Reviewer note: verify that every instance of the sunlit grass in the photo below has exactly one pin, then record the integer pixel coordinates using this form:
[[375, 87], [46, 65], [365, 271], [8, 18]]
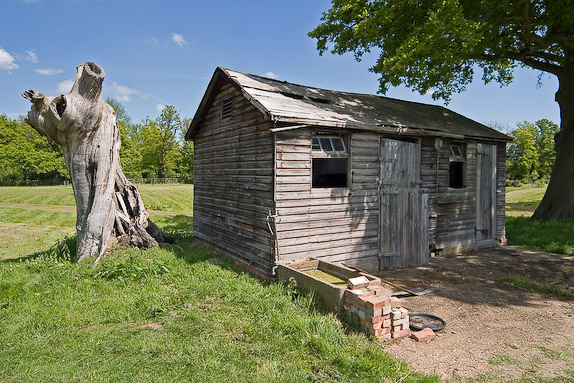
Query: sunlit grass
[[159, 315]]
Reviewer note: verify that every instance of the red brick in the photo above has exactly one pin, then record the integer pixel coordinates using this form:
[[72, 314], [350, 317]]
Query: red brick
[[400, 322], [401, 333], [384, 337], [364, 299], [424, 335], [396, 302], [377, 319], [386, 323], [357, 282], [404, 311], [380, 291]]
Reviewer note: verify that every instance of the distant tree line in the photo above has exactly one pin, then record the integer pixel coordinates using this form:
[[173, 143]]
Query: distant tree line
[[151, 149], [531, 154]]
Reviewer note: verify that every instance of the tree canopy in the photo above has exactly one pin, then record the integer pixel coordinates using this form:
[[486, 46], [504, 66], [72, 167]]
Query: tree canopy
[[26, 155], [432, 45], [531, 154]]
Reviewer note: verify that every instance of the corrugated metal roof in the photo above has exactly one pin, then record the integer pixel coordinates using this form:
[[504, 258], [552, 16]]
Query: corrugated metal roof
[[288, 103]]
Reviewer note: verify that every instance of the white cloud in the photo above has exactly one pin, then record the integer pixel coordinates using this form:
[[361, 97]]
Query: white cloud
[[272, 75], [178, 39], [48, 71], [122, 93], [31, 56], [160, 107], [152, 41], [7, 61], [65, 86]]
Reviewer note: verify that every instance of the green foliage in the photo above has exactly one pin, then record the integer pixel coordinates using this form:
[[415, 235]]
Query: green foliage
[[525, 283], [130, 155], [154, 148], [554, 236], [531, 154], [25, 154], [131, 267], [435, 46], [159, 143]]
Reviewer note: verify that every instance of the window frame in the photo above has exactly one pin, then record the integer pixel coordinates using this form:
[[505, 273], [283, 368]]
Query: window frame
[[323, 154], [457, 154]]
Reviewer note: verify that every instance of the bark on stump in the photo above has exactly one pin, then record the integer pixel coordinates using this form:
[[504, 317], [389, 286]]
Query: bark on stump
[[109, 208]]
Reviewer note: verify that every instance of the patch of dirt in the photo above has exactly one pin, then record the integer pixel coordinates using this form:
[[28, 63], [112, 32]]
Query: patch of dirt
[[151, 325], [491, 328]]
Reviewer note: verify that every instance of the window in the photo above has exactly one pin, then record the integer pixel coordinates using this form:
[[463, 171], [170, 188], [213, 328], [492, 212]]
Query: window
[[457, 165], [330, 162], [226, 108]]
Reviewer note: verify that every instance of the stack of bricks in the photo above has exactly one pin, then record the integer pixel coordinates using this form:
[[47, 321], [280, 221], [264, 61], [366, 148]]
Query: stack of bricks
[[380, 314]]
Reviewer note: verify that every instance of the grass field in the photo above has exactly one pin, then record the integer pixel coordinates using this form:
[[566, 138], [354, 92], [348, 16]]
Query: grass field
[[160, 315], [555, 236]]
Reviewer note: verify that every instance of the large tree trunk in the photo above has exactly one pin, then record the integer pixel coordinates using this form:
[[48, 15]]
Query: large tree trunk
[[558, 202], [109, 208]]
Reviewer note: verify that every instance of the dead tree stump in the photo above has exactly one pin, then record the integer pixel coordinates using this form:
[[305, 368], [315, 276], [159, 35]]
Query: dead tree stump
[[109, 208]]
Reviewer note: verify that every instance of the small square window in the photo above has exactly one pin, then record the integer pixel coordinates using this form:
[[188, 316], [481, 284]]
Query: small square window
[[330, 162], [338, 145], [330, 172], [315, 145], [455, 151], [457, 165], [326, 144]]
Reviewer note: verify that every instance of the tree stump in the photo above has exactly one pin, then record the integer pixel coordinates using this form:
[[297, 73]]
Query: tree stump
[[109, 208]]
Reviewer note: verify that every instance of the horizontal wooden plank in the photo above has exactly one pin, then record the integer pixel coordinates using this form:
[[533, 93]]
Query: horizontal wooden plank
[[329, 237], [316, 220], [320, 209], [337, 229], [354, 202], [293, 164], [344, 252]]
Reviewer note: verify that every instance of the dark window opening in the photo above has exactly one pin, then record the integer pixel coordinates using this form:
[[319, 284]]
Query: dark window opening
[[227, 108], [330, 172], [456, 175]]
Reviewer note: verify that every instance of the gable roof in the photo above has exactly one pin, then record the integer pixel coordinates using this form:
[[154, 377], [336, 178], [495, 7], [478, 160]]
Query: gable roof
[[292, 106]]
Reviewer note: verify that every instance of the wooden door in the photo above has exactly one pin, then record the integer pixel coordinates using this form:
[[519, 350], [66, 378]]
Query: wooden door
[[404, 208], [486, 196]]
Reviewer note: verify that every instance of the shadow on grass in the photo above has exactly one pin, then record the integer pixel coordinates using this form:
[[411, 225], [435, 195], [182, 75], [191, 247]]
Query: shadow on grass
[[61, 251]]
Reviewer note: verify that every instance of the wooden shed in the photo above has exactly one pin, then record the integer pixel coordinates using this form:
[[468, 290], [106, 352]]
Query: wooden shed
[[285, 171]]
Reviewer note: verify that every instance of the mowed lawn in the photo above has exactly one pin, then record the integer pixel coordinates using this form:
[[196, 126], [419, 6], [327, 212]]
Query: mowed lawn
[[33, 218], [554, 236], [159, 315]]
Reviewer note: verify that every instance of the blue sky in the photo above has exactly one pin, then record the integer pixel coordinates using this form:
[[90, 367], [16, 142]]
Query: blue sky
[[159, 53]]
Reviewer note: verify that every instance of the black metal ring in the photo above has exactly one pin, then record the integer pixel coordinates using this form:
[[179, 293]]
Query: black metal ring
[[432, 321]]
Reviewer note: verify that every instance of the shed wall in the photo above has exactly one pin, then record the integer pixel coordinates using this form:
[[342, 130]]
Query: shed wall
[[452, 221], [335, 224], [233, 181]]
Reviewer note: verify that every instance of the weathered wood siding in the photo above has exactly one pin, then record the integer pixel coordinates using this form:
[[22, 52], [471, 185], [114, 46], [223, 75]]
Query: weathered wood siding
[[233, 177], [452, 222], [501, 194], [335, 224]]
